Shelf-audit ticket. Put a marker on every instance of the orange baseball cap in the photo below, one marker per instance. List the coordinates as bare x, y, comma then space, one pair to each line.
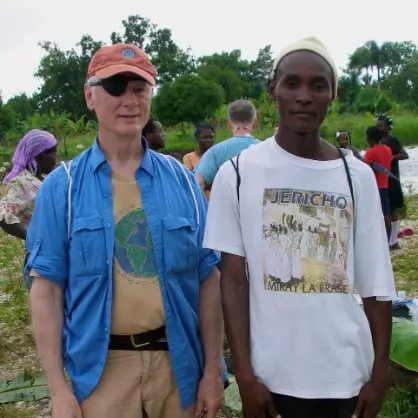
121, 58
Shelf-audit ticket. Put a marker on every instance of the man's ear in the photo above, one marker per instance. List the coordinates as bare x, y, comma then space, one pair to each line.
88, 95
270, 88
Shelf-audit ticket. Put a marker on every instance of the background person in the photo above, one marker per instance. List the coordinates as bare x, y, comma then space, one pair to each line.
242, 118
343, 139
154, 134
396, 199
380, 154
34, 157
204, 135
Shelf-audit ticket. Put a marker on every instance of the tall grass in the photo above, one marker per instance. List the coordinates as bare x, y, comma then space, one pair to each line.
180, 138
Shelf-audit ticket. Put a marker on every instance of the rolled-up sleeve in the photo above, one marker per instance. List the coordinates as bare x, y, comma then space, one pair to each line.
46, 241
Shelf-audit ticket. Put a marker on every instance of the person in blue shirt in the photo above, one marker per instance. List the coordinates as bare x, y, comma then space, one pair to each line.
242, 118
124, 297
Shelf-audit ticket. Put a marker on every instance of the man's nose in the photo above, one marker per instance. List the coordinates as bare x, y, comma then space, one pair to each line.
304, 95
130, 98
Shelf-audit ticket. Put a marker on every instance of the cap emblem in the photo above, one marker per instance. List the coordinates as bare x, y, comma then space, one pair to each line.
128, 53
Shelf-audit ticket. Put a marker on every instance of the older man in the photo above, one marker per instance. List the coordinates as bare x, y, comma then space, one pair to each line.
242, 117
124, 296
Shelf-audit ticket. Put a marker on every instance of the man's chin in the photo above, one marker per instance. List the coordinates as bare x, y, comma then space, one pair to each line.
305, 130
128, 131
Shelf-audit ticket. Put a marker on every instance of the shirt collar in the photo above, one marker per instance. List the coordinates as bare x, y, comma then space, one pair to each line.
98, 158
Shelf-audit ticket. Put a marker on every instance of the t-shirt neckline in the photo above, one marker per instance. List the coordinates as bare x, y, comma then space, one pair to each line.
306, 162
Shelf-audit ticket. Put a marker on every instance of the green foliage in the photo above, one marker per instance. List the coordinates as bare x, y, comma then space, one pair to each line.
21, 106
187, 99
400, 402
404, 344
378, 78
63, 75
373, 100
170, 60
23, 388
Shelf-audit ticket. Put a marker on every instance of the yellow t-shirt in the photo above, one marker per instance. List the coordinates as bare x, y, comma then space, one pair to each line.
137, 301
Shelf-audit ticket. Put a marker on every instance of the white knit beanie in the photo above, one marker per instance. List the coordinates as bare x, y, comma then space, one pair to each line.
314, 45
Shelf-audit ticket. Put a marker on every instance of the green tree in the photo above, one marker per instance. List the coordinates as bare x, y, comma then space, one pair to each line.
230, 80
21, 106
238, 77
348, 89
170, 60
63, 74
187, 99
386, 60
367, 57
6, 119
259, 72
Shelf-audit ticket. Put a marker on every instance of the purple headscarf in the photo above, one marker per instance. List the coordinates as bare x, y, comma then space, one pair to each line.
35, 142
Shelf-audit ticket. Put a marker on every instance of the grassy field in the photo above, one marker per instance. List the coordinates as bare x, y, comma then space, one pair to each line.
180, 138
17, 350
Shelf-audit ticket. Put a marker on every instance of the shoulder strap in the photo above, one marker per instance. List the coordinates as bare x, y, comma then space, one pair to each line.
236, 168
347, 172
70, 182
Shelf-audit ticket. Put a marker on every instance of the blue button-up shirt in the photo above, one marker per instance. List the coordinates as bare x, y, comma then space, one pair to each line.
82, 264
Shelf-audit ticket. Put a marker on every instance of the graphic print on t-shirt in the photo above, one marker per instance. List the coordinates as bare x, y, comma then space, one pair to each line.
133, 247
305, 241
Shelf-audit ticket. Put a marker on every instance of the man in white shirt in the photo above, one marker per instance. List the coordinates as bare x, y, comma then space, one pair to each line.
307, 221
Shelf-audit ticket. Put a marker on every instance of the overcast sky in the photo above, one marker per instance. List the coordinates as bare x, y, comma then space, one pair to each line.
207, 27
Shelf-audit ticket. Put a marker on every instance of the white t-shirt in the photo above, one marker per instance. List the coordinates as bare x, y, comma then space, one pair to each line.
294, 224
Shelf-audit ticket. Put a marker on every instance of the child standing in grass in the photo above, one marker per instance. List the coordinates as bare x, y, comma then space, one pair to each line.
380, 154
343, 139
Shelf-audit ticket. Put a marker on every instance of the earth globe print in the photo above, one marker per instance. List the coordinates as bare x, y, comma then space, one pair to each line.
133, 246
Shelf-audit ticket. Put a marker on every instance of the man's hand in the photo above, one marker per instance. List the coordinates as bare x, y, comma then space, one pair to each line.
210, 395
371, 397
256, 399
65, 405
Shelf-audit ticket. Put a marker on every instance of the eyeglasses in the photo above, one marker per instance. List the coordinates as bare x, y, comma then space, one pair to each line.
117, 85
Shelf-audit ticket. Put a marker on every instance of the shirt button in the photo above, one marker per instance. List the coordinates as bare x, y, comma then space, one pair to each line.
105, 195
105, 329
107, 261
107, 225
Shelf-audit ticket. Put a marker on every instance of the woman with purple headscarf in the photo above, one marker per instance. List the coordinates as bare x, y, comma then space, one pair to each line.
34, 157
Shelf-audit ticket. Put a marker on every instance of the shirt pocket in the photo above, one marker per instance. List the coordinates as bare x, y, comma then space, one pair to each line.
180, 245
87, 245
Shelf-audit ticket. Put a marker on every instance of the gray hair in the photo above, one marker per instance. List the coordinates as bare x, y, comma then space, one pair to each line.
241, 111
93, 80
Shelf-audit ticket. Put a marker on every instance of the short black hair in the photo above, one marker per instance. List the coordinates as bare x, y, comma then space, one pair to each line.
200, 127
385, 118
374, 134
149, 128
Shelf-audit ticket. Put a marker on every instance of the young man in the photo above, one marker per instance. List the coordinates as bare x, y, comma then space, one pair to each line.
125, 297
396, 200
302, 346
380, 154
154, 134
242, 118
